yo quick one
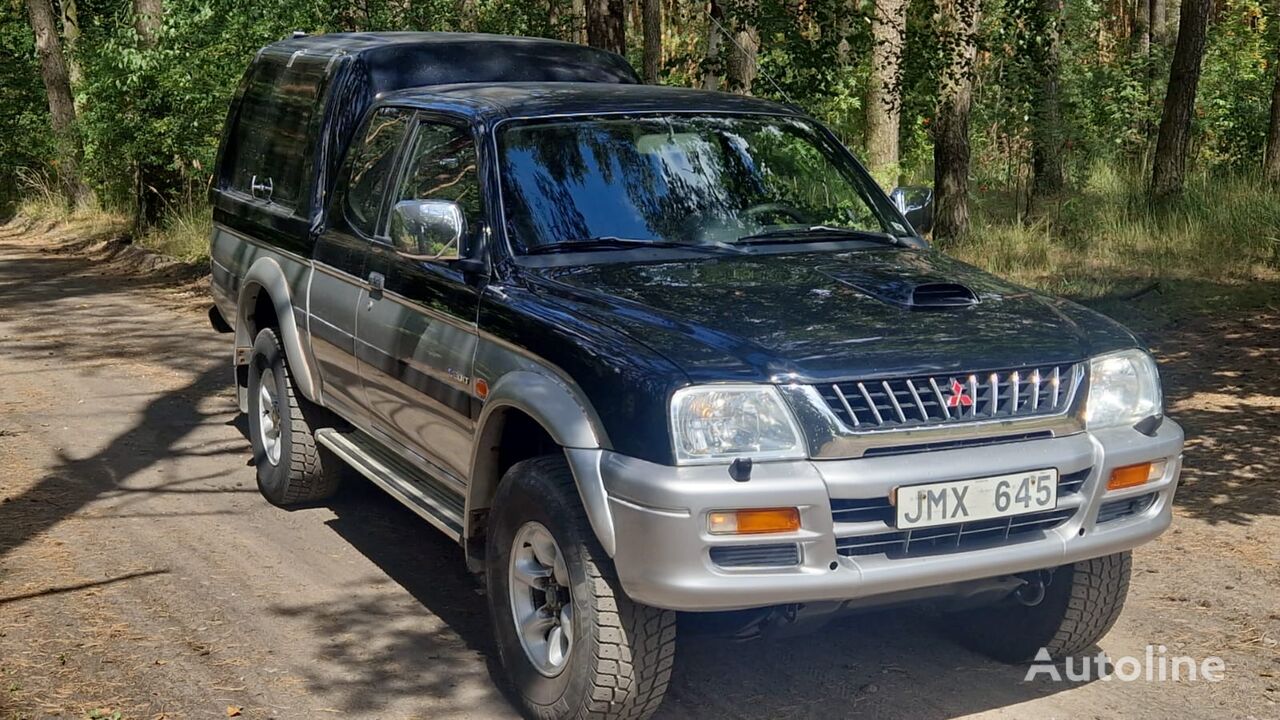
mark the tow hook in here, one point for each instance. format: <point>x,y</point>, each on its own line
<point>1032,590</point>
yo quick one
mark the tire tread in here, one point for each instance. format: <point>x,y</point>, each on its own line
<point>311,477</point>
<point>634,643</point>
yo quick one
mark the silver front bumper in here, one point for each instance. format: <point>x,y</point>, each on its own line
<point>663,551</point>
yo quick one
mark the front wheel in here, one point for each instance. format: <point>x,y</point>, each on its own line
<point>574,645</point>
<point>1078,607</point>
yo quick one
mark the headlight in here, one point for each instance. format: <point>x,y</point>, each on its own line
<point>1124,387</point>
<point>717,422</point>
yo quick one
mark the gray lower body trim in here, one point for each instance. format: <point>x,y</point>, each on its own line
<point>663,551</point>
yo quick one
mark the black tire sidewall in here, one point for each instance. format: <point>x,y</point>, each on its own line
<point>273,479</point>
<point>528,499</point>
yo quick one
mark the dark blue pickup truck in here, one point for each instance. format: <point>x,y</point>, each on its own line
<point>644,351</point>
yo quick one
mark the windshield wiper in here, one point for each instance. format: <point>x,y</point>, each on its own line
<point>609,242</point>
<point>820,232</point>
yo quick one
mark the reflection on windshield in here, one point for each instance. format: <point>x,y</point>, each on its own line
<point>698,180</point>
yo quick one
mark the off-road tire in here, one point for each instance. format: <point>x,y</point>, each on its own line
<point>1079,607</point>
<point>620,665</point>
<point>306,473</point>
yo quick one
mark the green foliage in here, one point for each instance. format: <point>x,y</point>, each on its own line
<point>153,115</point>
<point>25,138</point>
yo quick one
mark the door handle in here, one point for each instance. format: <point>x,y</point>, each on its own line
<point>261,190</point>
<point>377,283</point>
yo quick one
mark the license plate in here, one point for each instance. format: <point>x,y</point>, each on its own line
<point>949,503</point>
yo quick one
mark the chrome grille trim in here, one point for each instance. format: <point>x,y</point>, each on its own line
<point>895,403</point>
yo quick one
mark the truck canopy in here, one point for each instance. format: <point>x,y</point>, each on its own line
<point>302,98</point>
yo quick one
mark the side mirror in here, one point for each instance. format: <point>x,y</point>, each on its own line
<point>427,229</point>
<point>915,202</point>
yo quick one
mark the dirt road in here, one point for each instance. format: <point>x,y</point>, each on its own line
<point>140,572</point>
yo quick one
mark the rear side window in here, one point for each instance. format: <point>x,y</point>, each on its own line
<point>372,163</point>
<point>270,143</point>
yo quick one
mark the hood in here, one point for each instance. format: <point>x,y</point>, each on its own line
<point>827,316</point>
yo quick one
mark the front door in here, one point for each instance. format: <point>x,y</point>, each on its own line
<point>417,340</point>
<point>347,255</point>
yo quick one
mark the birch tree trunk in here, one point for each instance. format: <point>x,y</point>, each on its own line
<point>884,87</point>
<point>711,56</point>
<point>959,19</point>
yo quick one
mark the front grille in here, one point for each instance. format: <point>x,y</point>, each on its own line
<point>929,400</point>
<point>946,538</point>
<point>950,538</point>
<point>738,556</point>
<point>1117,509</point>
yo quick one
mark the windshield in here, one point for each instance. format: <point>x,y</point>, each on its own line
<point>698,180</point>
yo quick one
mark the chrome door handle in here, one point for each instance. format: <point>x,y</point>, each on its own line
<point>261,189</point>
<point>377,283</point>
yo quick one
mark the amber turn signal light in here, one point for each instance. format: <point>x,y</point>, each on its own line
<point>1135,475</point>
<point>753,522</point>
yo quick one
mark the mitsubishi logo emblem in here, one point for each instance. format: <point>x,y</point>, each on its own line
<point>959,396</point>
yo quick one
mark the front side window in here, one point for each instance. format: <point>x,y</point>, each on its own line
<point>442,166</point>
<point>372,165</point>
<point>685,179</point>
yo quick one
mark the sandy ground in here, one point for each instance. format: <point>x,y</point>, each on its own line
<point>141,576</point>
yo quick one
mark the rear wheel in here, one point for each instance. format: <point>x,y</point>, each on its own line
<point>1079,606</point>
<point>292,469</point>
<point>574,645</point>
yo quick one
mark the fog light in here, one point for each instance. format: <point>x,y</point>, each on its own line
<point>753,522</point>
<point>1135,475</point>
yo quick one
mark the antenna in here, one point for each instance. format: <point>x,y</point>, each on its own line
<point>754,59</point>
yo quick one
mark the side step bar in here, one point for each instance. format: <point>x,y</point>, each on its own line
<point>435,501</point>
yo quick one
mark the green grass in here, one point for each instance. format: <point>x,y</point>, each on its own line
<point>1103,241</point>
<point>184,234</point>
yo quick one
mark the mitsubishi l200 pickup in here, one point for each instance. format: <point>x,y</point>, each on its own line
<point>644,351</point>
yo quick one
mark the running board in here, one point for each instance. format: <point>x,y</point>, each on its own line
<point>435,501</point>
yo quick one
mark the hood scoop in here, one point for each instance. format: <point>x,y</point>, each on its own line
<point>941,295</point>
<point>910,281</point>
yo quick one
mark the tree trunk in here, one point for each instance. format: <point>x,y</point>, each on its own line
<point>1046,130</point>
<point>652,12</point>
<point>711,57</point>
<point>958,34</point>
<point>580,21</point>
<point>1159,10</point>
<point>884,87</point>
<point>606,25</point>
<point>148,16</point>
<point>468,16</point>
<point>1142,27</point>
<point>1271,164</point>
<point>70,35</point>
<point>1168,171</point>
<point>743,67</point>
<point>62,111</point>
